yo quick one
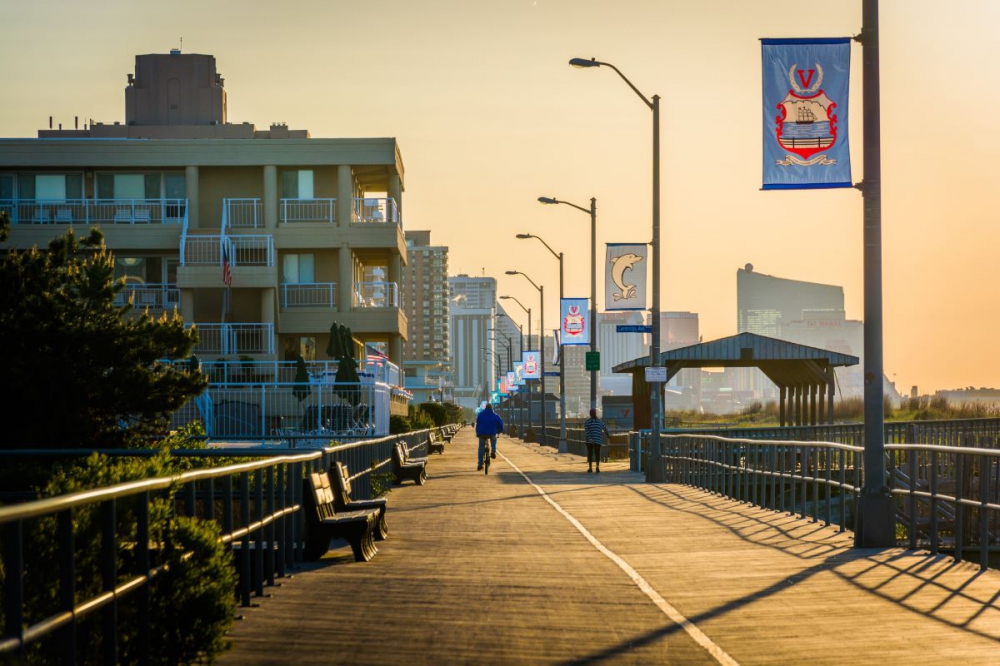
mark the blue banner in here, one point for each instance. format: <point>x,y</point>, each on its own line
<point>805,95</point>
<point>531,364</point>
<point>574,318</point>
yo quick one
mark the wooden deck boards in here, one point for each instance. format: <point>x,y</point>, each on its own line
<point>482,570</point>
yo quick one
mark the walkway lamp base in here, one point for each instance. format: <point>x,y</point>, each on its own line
<point>876,521</point>
<point>563,447</point>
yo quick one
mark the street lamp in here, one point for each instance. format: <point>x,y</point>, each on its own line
<point>541,341</point>
<point>496,366</point>
<point>656,398</point>
<point>520,402</point>
<point>506,343</point>
<point>563,448</point>
<point>592,211</point>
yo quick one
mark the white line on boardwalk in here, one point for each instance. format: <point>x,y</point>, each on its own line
<point>699,637</point>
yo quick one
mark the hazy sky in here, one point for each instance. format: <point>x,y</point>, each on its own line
<point>489,116</point>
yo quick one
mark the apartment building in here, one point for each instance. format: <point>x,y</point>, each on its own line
<point>427,352</point>
<point>264,239</point>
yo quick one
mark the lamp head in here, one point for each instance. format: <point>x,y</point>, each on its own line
<point>525,236</point>
<point>512,272</point>
<point>548,200</point>
<point>504,298</point>
<point>583,62</point>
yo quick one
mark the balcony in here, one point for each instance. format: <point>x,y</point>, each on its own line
<point>309,295</point>
<point>376,211</point>
<point>227,339</point>
<point>96,211</point>
<point>243,213</point>
<point>248,213</point>
<point>293,211</point>
<point>149,295</point>
<point>376,295</point>
<point>243,250</point>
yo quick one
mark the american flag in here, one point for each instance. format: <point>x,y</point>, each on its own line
<point>227,276</point>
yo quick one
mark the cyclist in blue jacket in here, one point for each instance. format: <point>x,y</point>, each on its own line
<point>488,426</point>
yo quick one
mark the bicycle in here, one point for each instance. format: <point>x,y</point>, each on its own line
<point>486,454</point>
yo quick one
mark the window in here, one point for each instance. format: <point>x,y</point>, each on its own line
<point>297,184</point>
<point>299,269</point>
<point>49,187</point>
<point>140,186</point>
<point>303,345</point>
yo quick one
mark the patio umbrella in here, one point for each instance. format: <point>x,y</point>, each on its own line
<point>335,347</point>
<point>347,370</point>
<point>301,389</point>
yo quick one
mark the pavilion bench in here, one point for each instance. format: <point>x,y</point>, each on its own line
<point>405,467</point>
<point>324,523</point>
<point>340,478</point>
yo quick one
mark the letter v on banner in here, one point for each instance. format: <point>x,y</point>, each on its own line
<point>805,104</point>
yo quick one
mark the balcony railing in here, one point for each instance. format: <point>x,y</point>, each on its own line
<point>243,213</point>
<point>376,211</point>
<point>309,295</point>
<point>376,295</point>
<point>308,210</point>
<point>95,211</point>
<point>150,295</point>
<point>244,250</point>
<point>235,339</point>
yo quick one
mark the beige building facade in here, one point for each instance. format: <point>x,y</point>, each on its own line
<point>311,229</point>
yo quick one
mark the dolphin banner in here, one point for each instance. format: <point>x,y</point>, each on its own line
<point>625,276</point>
<point>806,84</point>
<point>574,317</point>
<point>518,373</point>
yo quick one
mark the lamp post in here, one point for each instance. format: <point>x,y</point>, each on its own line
<point>496,365</point>
<point>507,343</point>
<point>563,448</point>
<point>654,472</point>
<point>521,410</point>
<point>541,341</point>
<point>592,211</point>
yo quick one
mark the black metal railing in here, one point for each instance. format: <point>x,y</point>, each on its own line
<point>256,503</point>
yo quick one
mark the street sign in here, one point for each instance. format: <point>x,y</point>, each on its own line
<point>656,374</point>
<point>633,328</point>
<point>593,360</point>
<point>551,373</point>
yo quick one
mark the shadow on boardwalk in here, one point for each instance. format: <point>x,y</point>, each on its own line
<point>483,570</point>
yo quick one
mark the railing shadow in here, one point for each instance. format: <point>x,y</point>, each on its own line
<point>879,572</point>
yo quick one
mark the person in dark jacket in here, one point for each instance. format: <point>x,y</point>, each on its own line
<point>488,426</point>
<point>594,432</point>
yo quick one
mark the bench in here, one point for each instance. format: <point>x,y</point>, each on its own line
<point>324,523</point>
<point>436,444</point>
<point>342,502</point>
<point>404,467</point>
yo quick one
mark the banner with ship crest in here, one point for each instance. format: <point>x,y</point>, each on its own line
<point>805,100</point>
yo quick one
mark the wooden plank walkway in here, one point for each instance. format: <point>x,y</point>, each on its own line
<point>609,569</point>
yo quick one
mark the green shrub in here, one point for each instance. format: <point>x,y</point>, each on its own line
<point>192,602</point>
<point>436,411</point>
<point>398,424</point>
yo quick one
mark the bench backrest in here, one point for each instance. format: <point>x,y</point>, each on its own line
<point>399,453</point>
<point>341,485</point>
<point>320,495</point>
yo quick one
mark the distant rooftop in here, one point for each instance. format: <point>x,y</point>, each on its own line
<point>174,96</point>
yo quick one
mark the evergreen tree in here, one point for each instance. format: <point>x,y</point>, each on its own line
<point>80,371</point>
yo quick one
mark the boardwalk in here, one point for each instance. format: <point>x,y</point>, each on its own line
<point>608,569</point>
